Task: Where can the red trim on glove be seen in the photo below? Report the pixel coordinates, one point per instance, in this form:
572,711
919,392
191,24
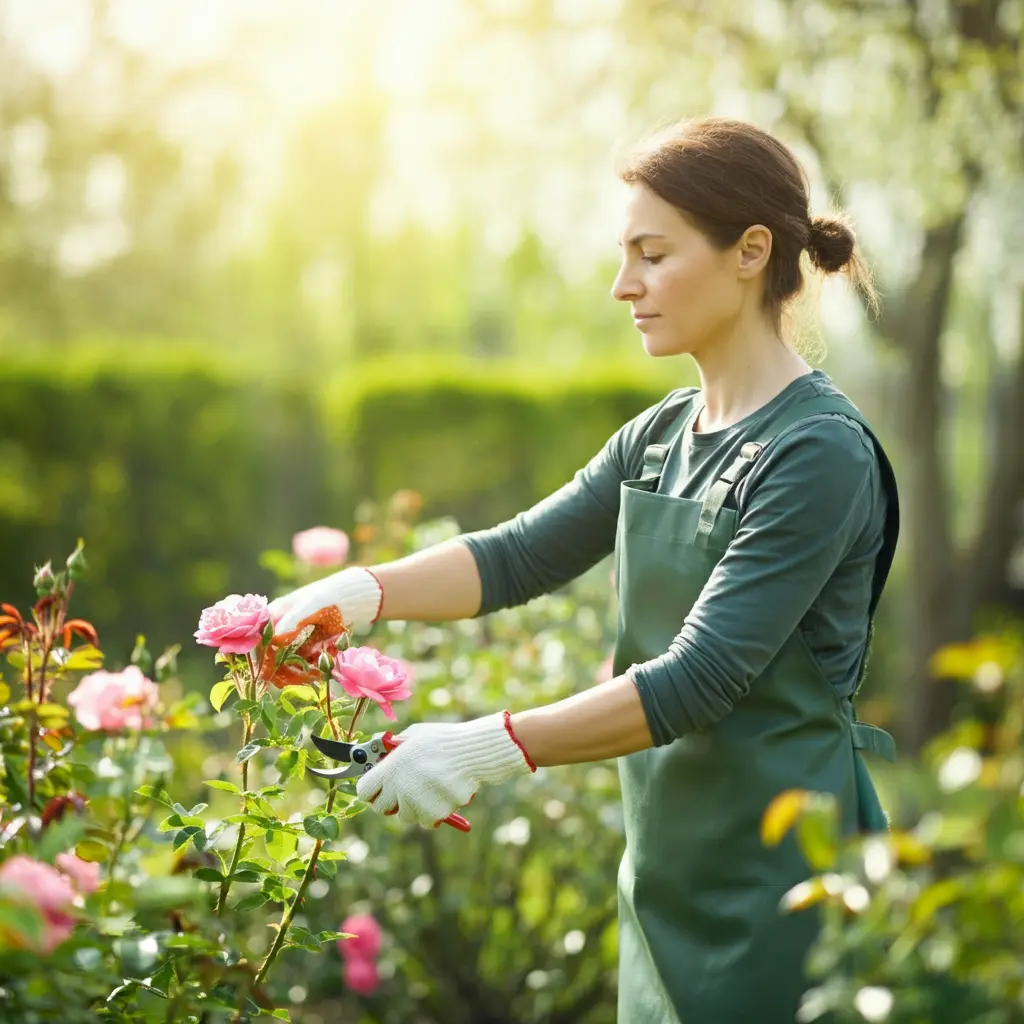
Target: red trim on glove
515,740
380,603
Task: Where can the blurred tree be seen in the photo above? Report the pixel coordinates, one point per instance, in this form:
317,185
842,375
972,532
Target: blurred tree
917,106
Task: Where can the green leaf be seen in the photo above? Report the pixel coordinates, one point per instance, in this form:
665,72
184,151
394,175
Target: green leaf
325,828
245,875
332,855
254,864
208,875
220,693
246,705
326,868
251,902
60,836
152,793
281,845
247,751
227,787
332,936
193,834
170,823
287,763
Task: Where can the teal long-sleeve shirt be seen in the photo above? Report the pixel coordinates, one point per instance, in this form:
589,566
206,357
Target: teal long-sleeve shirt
811,514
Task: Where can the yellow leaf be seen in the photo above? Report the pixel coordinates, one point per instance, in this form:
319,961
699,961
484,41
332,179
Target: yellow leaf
53,741
300,692
781,815
84,659
962,661
804,895
909,849
90,850
220,693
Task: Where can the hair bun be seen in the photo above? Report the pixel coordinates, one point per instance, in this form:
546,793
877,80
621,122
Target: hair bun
830,244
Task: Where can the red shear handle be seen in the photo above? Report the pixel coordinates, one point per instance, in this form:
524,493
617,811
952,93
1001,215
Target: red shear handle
455,820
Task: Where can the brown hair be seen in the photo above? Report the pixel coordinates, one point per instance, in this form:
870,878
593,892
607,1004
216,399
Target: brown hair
725,176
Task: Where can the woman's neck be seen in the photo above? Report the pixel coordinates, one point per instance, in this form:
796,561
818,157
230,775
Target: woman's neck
740,374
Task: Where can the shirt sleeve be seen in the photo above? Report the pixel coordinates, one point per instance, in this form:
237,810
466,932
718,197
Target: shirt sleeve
810,505
567,532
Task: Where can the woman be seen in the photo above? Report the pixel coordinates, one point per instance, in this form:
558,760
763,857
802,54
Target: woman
753,523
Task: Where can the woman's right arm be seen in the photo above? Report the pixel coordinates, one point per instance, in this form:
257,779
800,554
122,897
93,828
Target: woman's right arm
532,554
438,584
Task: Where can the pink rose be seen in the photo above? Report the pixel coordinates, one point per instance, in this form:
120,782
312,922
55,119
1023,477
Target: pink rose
234,624
114,700
361,976
321,546
365,941
40,886
84,874
365,672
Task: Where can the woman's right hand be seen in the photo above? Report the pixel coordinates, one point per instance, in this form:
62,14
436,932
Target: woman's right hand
355,592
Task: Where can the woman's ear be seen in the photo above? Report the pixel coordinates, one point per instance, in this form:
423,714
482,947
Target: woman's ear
753,250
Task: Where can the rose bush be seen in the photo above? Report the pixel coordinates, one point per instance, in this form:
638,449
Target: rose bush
119,902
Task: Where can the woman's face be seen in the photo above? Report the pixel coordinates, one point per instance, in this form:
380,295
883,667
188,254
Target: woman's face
684,292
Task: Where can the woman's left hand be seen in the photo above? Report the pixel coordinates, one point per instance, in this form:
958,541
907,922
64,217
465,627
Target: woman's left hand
438,767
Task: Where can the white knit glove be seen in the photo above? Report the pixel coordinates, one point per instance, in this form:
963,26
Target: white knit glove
356,592
438,767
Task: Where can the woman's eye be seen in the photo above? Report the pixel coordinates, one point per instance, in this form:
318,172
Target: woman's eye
652,259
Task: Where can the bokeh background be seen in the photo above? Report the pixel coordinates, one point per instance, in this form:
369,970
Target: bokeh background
263,262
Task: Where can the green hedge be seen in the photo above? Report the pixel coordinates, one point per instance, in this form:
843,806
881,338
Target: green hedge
178,471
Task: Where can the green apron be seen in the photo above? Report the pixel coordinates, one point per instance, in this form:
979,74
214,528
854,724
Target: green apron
701,936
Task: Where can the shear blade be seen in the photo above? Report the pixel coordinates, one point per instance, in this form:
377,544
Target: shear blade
335,749
331,773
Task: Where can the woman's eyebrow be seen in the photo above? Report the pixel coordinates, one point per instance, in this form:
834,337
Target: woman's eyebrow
637,239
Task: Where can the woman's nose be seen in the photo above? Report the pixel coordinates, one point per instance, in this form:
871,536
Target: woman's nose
625,287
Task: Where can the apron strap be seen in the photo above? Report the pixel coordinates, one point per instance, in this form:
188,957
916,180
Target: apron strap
719,490
666,426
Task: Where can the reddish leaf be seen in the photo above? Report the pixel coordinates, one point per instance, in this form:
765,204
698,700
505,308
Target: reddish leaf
84,629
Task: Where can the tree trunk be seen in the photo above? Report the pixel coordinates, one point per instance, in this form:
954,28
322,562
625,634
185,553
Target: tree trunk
999,524
916,328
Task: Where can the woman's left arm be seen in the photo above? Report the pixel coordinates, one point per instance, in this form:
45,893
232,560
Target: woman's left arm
439,766
606,721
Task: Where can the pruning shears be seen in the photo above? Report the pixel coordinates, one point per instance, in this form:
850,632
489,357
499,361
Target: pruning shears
359,758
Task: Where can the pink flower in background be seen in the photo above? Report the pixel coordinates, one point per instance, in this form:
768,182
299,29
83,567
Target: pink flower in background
360,953
114,700
234,624
365,672
361,976
47,890
84,874
322,546
365,941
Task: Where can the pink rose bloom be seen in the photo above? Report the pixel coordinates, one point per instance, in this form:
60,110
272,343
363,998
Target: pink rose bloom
47,890
365,672
321,546
114,700
361,976
365,943
84,874
235,624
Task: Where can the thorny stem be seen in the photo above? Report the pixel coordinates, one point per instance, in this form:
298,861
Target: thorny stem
286,921
226,884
